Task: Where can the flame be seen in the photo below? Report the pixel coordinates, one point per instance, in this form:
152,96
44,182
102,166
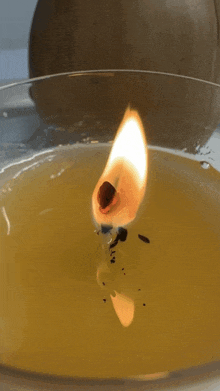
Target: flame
152,376
124,308
120,189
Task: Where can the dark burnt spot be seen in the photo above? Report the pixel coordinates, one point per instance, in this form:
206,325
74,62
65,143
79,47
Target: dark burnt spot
144,304
104,300
144,238
112,252
106,194
103,283
112,260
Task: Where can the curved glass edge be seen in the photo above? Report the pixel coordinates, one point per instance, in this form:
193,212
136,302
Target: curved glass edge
210,152
203,377
108,71
207,156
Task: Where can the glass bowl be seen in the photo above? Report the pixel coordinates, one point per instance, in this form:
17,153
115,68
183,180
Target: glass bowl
46,122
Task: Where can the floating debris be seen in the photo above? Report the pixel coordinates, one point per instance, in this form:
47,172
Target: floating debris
104,300
144,304
144,238
103,283
112,260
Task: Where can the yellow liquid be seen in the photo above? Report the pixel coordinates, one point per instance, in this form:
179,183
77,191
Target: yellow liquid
52,315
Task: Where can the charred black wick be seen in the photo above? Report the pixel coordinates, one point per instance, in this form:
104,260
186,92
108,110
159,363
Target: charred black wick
105,228
144,238
106,194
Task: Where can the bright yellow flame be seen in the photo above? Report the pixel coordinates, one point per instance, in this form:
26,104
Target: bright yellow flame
130,146
126,172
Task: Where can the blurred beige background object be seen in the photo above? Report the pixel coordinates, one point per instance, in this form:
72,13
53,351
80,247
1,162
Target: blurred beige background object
180,37
176,36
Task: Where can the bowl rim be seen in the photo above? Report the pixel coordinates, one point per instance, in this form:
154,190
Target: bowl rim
203,375
107,71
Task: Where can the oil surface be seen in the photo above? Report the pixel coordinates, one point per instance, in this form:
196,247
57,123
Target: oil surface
53,318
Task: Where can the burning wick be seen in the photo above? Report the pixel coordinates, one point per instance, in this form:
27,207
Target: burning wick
116,200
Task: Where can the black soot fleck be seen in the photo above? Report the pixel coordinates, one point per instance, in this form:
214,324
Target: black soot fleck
144,238
104,300
106,194
113,243
121,235
112,260
144,305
